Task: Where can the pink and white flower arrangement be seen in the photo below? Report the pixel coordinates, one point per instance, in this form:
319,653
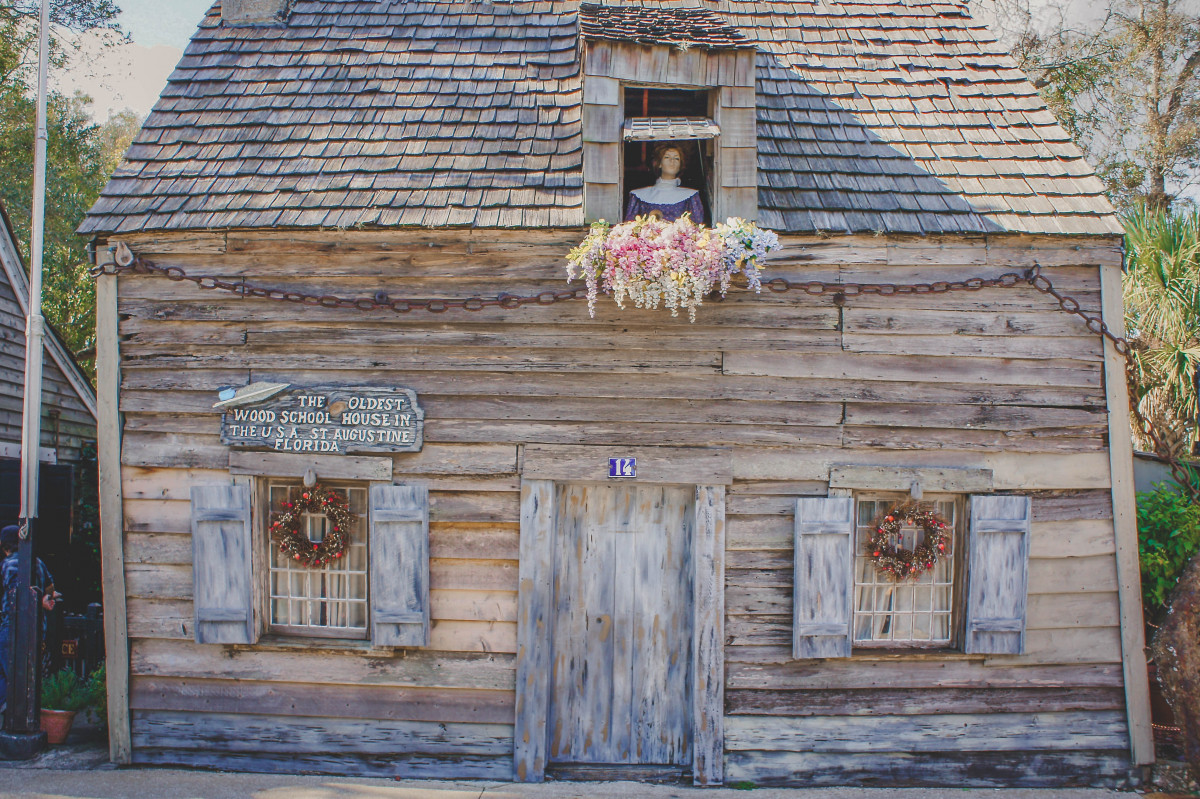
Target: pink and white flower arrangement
675,264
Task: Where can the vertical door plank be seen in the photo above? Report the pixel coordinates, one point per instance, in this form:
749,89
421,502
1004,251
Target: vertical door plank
568,620
533,633
824,578
626,531
708,650
662,642
593,674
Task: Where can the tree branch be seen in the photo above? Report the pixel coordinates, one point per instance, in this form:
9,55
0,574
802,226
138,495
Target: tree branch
1181,80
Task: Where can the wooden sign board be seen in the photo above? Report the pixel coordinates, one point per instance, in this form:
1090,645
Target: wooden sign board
328,421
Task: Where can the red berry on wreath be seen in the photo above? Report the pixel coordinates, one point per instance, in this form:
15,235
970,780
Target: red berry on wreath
889,519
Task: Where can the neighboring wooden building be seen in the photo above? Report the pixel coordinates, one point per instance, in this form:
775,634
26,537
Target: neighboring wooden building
68,425
505,609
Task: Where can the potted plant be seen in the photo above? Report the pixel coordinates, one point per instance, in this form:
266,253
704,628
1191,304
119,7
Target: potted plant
63,695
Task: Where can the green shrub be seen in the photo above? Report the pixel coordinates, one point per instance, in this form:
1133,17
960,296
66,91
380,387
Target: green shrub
97,689
1168,537
65,691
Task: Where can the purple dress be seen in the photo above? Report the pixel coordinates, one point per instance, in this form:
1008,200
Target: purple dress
692,205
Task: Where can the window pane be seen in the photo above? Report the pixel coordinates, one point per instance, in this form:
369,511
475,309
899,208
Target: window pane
331,598
908,611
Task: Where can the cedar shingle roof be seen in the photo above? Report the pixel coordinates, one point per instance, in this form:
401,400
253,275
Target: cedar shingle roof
883,115
663,25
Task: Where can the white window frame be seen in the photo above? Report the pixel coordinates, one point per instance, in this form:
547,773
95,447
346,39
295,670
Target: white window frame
956,562
269,549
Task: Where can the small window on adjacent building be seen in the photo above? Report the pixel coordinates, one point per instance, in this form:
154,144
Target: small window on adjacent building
329,601
906,613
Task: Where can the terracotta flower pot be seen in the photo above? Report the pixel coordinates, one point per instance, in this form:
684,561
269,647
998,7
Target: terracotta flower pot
57,724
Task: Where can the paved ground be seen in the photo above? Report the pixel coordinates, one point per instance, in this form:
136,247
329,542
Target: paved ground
173,784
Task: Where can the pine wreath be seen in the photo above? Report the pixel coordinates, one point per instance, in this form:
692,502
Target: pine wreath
885,547
285,529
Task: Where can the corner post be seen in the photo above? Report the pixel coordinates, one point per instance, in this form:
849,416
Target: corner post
1129,593
112,550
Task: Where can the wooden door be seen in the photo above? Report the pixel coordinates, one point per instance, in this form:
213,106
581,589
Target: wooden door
621,684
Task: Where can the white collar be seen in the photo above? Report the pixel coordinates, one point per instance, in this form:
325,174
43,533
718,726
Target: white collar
669,182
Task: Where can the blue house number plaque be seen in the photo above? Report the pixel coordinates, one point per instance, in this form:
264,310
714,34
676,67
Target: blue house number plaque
622,467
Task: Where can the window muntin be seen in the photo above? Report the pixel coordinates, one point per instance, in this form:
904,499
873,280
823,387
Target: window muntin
906,613
330,601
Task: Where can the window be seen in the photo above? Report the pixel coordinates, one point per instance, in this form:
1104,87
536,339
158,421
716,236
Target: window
908,613
330,601
675,116
840,604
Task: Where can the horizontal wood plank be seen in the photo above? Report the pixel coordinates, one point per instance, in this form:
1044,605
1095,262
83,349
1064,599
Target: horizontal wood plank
332,701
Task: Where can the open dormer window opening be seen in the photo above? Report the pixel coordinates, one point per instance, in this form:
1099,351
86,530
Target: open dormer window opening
668,153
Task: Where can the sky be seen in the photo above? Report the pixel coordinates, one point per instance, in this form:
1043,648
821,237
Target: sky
131,75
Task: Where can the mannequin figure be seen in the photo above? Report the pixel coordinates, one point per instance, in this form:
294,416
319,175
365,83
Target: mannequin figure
666,198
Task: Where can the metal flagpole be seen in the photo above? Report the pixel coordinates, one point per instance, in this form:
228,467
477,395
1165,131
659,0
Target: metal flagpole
21,736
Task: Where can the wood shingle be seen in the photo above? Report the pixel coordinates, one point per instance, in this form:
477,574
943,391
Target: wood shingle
917,117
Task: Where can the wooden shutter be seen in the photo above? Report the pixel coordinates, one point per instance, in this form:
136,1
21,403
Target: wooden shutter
399,565
999,574
823,602
221,565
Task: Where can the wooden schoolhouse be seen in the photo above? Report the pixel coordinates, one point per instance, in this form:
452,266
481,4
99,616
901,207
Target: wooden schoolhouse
547,544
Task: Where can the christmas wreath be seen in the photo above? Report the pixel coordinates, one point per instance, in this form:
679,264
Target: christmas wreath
285,529
886,545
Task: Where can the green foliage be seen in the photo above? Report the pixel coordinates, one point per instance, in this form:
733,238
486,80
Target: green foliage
97,691
744,785
1168,537
80,158
1162,316
65,691
74,177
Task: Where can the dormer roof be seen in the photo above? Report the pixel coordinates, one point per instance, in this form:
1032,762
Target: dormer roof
669,25
893,116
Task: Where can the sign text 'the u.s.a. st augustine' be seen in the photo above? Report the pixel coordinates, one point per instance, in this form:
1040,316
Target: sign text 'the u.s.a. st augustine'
329,420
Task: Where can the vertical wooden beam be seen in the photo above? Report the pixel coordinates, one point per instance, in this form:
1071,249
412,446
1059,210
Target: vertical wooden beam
112,534
534,606
1129,592
708,650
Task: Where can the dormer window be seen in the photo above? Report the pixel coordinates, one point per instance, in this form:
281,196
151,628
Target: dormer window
659,118
667,76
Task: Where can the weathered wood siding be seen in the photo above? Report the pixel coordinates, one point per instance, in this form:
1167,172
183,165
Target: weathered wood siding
75,423
996,380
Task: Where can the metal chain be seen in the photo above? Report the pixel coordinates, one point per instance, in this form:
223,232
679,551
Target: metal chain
379,301
126,262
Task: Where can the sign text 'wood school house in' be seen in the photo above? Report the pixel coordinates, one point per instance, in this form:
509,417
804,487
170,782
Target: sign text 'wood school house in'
852,506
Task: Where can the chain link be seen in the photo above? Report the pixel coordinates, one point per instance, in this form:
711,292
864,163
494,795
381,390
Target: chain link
380,300
128,263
